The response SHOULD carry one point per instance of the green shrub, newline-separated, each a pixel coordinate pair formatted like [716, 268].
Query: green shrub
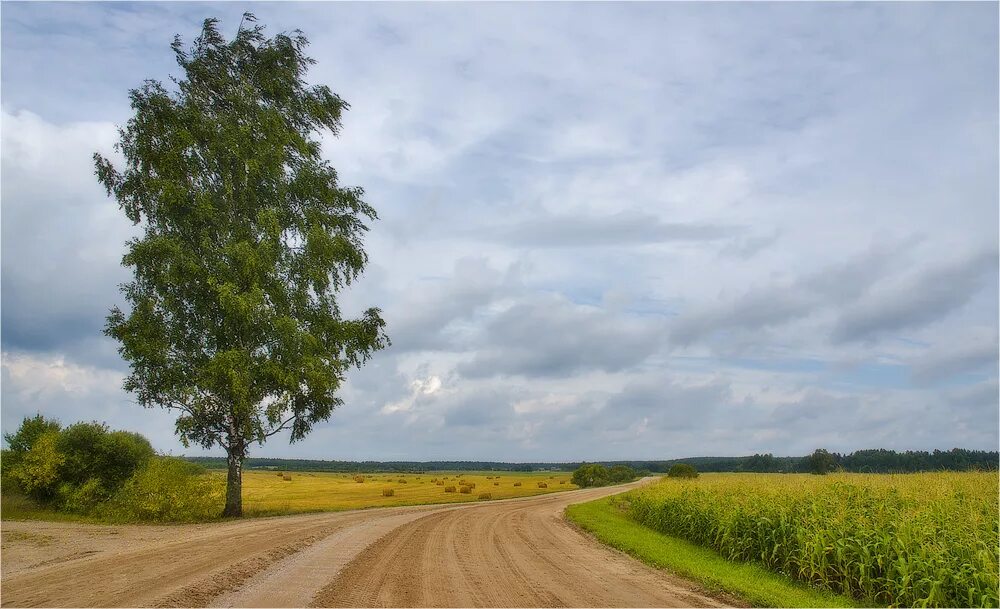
[94, 452]
[682, 470]
[595, 474]
[37, 471]
[82, 498]
[167, 490]
[618, 474]
[28, 433]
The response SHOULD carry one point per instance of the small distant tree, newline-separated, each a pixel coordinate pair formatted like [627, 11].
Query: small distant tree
[592, 474]
[682, 470]
[247, 238]
[618, 474]
[821, 462]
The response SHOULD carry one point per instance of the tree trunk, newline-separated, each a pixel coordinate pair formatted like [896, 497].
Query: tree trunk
[234, 485]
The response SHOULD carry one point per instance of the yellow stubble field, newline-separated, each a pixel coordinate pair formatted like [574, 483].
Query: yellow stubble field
[277, 492]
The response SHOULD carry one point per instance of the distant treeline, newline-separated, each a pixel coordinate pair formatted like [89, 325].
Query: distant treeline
[873, 461]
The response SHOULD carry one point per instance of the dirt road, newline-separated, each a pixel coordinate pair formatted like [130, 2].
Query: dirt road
[514, 553]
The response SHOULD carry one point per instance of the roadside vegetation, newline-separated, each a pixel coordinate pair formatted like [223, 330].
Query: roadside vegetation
[925, 539]
[595, 474]
[87, 471]
[750, 583]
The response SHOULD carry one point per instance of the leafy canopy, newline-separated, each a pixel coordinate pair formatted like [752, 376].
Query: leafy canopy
[247, 236]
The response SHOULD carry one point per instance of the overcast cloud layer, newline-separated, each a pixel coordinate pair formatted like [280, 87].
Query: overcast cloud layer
[608, 231]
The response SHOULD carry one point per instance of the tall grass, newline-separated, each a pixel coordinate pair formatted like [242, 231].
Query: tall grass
[902, 540]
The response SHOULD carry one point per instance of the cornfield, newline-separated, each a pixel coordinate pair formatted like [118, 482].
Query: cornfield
[929, 539]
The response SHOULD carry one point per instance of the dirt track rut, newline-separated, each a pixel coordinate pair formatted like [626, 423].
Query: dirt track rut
[514, 553]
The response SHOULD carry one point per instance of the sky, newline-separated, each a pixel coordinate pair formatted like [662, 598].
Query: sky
[607, 231]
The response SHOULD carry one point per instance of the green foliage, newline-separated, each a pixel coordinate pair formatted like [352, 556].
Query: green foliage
[92, 452]
[750, 582]
[682, 470]
[81, 498]
[167, 490]
[821, 462]
[38, 471]
[28, 433]
[618, 474]
[887, 540]
[247, 237]
[595, 474]
[73, 469]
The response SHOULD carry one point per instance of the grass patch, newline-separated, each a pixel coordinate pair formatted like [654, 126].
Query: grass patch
[748, 581]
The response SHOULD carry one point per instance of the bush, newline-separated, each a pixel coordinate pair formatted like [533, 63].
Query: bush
[167, 490]
[93, 452]
[682, 470]
[22, 440]
[619, 474]
[81, 499]
[74, 468]
[37, 472]
[595, 474]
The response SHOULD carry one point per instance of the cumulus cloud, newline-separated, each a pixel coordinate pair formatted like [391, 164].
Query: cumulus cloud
[776, 231]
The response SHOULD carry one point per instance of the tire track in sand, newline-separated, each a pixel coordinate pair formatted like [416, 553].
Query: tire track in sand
[503, 554]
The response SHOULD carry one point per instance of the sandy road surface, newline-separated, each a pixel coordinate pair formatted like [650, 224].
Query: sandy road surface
[514, 553]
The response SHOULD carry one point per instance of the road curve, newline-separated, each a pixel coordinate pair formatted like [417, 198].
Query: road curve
[512, 553]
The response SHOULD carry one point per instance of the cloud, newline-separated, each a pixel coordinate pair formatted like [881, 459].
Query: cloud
[419, 389]
[787, 300]
[776, 231]
[975, 353]
[623, 228]
[62, 238]
[919, 299]
[550, 336]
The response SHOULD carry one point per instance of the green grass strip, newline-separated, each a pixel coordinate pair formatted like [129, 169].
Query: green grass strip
[750, 582]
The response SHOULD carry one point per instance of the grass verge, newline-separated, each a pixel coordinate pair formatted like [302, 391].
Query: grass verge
[748, 581]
